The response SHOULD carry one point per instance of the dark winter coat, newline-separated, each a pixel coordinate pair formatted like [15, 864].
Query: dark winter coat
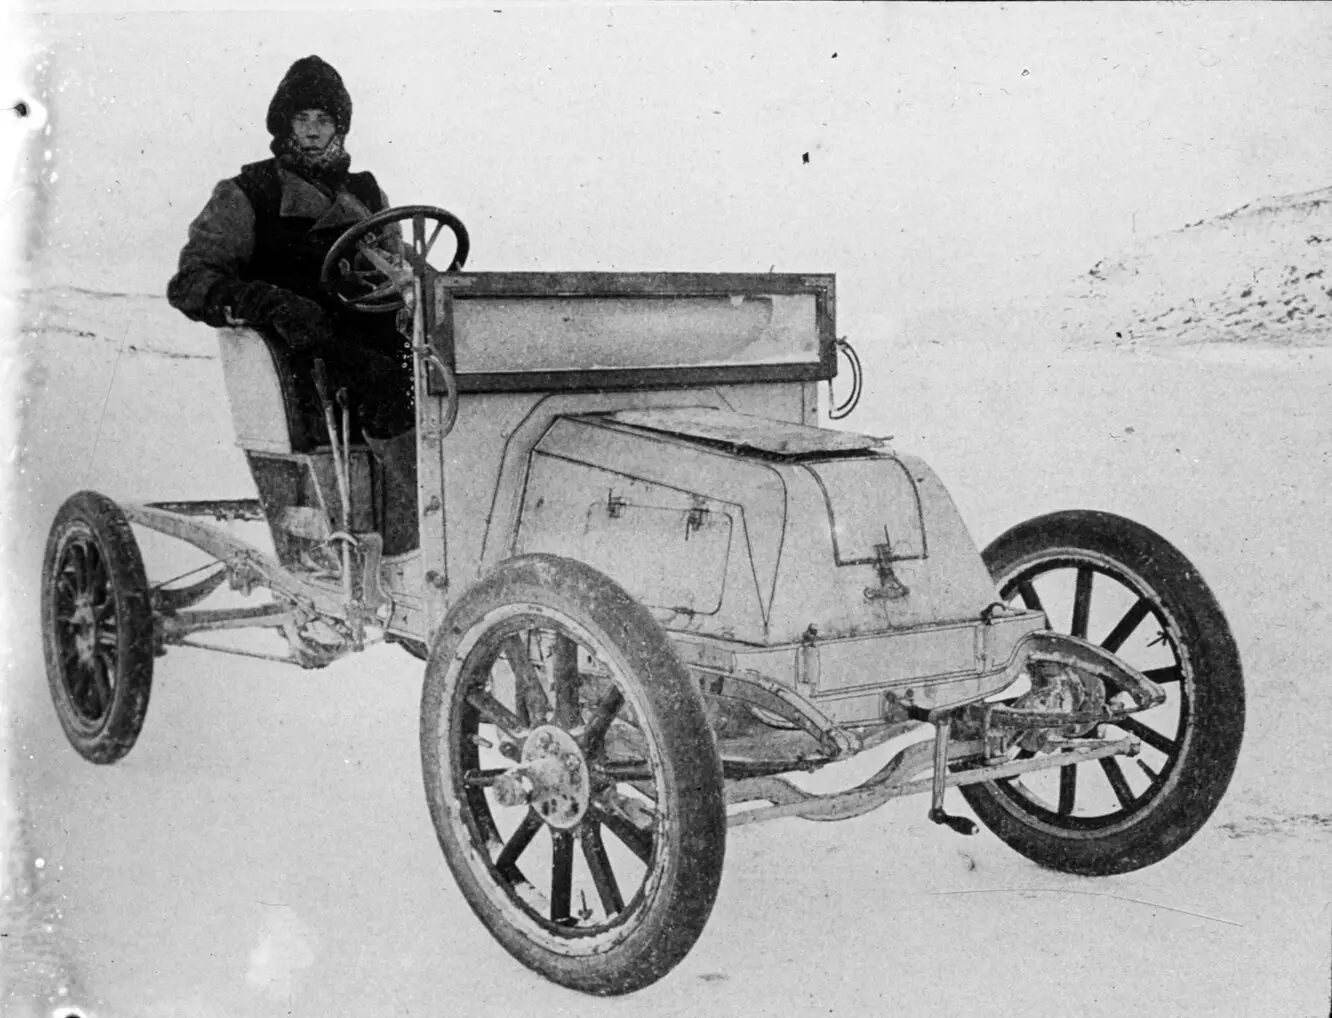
[269, 224]
[269, 227]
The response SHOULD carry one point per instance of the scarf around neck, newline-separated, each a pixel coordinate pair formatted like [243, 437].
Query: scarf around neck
[326, 169]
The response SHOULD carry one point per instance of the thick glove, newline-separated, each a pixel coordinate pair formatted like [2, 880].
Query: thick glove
[301, 322]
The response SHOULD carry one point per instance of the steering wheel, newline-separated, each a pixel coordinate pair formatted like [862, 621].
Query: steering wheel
[370, 268]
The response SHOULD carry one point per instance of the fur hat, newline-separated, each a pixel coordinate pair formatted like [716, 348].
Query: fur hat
[309, 84]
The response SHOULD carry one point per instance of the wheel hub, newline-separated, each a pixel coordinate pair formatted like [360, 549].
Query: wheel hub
[1058, 688]
[83, 621]
[552, 778]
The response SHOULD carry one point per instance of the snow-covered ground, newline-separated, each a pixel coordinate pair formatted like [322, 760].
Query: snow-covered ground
[265, 849]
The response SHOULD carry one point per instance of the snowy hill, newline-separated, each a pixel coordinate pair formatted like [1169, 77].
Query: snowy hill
[1258, 275]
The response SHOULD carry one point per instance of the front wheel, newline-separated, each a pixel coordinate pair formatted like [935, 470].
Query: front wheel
[1113, 581]
[97, 627]
[573, 781]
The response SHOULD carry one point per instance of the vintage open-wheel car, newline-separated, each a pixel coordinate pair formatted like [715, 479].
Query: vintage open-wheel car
[648, 587]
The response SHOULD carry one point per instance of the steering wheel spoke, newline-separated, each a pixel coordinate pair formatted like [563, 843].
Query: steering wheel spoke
[380, 291]
[434, 236]
[395, 261]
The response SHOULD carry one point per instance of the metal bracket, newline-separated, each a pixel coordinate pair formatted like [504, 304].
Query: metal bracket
[1080, 655]
[766, 694]
[174, 599]
[890, 588]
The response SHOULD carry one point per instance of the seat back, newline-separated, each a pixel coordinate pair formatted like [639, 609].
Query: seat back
[267, 411]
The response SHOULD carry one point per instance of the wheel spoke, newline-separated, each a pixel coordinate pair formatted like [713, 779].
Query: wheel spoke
[1148, 735]
[561, 874]
[101, 678]
[494, 712]
[1115, 773]
[78, 564]
[483, 777]
[626, 770]
[100, 573]
[77, 680]
[532, 702]
[1068, 789]
[594, 851]
[1029, 596]
[1164, 676]
[565, 665]
[1125, 626]
[635, 839]
[1082, 602]
[507, 860]
[98, 586]
[595, 734]
[64, 586]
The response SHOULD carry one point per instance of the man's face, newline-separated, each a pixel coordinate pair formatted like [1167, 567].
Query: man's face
[313, 130]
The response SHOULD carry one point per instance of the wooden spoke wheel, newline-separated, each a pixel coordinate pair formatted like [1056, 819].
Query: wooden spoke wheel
[97, 627]
[1118, 584]
[573, 781]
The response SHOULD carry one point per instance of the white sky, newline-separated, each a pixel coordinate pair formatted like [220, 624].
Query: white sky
[957, 153]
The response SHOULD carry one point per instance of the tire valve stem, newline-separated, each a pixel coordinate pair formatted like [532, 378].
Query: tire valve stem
[584, 913]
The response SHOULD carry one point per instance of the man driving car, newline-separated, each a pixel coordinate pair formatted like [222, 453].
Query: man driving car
[254, 256]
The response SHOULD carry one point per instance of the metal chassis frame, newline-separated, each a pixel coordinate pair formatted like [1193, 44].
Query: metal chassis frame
[245, 567]
[296, 599]
[895, 779]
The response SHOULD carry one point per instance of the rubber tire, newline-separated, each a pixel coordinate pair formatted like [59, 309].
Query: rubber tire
[1202, 772]
[674, 914]
[91, 514]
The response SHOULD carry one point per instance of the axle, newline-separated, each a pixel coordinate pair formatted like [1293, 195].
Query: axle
[898, 778]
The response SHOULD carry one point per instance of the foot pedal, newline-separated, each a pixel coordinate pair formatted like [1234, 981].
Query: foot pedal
[942, 728]
[960, 824]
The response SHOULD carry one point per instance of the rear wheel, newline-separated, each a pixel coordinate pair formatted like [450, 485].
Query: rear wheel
[97, 627]
[573, 781]
[1113, 581]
